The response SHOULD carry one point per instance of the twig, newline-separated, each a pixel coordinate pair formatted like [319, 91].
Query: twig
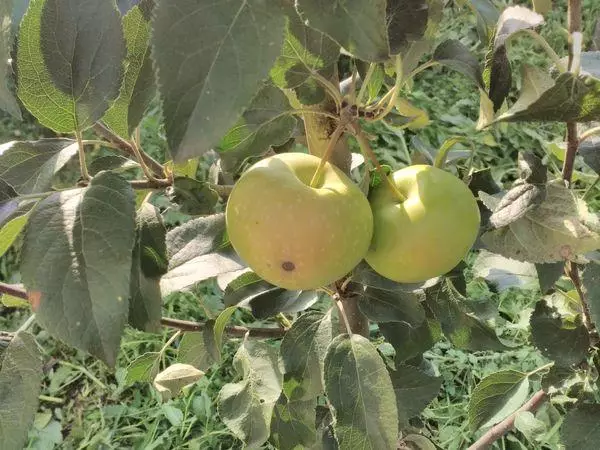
[82, 165]
[236, 331]
[499, 430]
[343, 316]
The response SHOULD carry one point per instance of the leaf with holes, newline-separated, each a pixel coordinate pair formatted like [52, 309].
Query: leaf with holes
[359, 27]
[20, 384]
[364, 407]
[30, 166]
[496, 397]
[258, 392]
[8, 102]
[69, 93]
[212, 58]
[138, 86]
[560, 228]
[76, 263]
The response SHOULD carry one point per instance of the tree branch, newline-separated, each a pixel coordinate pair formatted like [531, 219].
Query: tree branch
[499, 430]
[237, 331]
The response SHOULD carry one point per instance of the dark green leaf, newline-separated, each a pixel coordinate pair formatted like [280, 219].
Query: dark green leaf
[549, 274]
[497, 396]
[293, 424]
[143, 368]
[391, 305]
[111, 162]
[220, 324]
[246, 407]
[414, 390]
[581, 427]
[359, 27]
[20, 384]
[483, 180]
[487, 17]
[199, 349]
[325, 435]
[30, 166]
[8, 102]
[453, 54]
[212, 58]
[407, 22]
[531, 168]
[192, 196]
[69, 61]
[359, 388]
[266, 122]
[149, 263]
[409, 342]
[463, 329]
[497, 75]
[590, 279]
[138, 87]
[561, 339]
[76, 263]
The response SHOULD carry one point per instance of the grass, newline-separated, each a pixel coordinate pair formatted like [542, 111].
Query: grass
[86, 406]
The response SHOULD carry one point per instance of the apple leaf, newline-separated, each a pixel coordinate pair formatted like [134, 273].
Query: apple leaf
[364, 406]
[293, 423]
[581, 426]
[504, 273]
[456, 56]
[138, 86]
[174, 378]
[69, 61]
[391, 305]
[406, 22]
[8, 102]
[463, 329]
[212, 58]
[20, 384]
[532, 428]
[496, 397]
[149, 263]
[590, 279]
[360, 27]
[143, 368]
[563, 339]
[560, 228]
[411, 341]
[76, 263]
[116, 163]
[10, 231]
[199, 349]
[487, 17]
[417, 442]
[549, 274]
[193, 197]
[517, 202]
[414, 390]
[266, 122]
[590, 152]
[246, 407]
[30, 166]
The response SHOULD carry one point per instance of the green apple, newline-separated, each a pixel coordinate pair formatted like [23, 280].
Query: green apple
[291, 234]
[428, 233]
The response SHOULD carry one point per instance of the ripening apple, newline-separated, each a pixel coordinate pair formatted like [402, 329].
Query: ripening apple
[428, 233]
[291, 234]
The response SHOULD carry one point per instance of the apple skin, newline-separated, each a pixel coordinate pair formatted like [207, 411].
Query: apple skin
[428, 234]
[292, 235]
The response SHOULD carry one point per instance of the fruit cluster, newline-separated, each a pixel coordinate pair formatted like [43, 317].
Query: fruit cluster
[300, 233]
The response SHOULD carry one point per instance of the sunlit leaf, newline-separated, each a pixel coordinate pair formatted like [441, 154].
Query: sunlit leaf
[143, 368]
[170, 381]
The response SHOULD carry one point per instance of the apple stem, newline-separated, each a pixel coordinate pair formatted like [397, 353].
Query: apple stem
[330, 147]
[365, 147]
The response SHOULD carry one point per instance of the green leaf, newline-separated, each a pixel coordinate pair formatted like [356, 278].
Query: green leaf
[174, 378]
[112, 162]
[496, 397]
[359, 388]
[463, 329]
[76, 263]
[590, 279]
[212, 58]
[487, 17]
[570, 98]
[414, 390]
[302, 352]
[305, 51]
[10, 232]
[559, 338]
[143, 368]
[199, 349]
[192, 196]
[590, 152]
[542, 6]
[69, 61]
[417, 442]
[149, 263]
[220, 324]
[558, 229]
[8, 102]
[13, 302]
[138, 87]
[581, 427]
[406, 22]
[30, 166]
[266, 122]
[246, 407]
[360, 27]
[408, 341]
[532, 428]
[293, 424]
[504, 273]
[391, 304]
[20, 384]
[549, 274]
[454, 55]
